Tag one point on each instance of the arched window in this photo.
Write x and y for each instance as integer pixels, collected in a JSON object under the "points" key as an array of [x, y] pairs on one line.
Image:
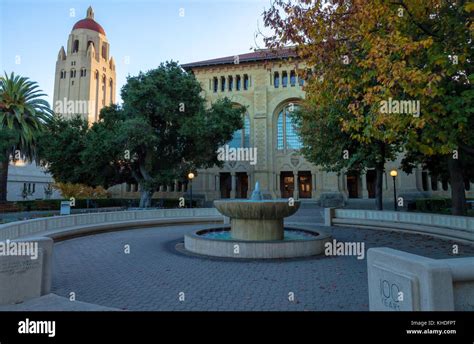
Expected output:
{"points": [[284, 79], [246, 82], [292, 78], [276, 79], [287, 132], [104, 91], [241, 137], [111, 88], [104, 51], [222, 83], [75, 46], [238, 83]]}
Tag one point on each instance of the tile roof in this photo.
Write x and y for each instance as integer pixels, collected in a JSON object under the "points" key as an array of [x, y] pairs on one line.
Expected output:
{"points": [[259, 55]]}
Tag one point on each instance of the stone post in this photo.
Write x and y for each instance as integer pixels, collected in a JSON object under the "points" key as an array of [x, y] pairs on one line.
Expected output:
{"points": [[428, 181], [296, 191], [329, 214], [365, 192], [313, 184], [233, 185], [278, 187]]}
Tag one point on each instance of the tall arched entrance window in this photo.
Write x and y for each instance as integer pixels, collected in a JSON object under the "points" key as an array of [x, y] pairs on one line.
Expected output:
{"points": [[287, 131]]}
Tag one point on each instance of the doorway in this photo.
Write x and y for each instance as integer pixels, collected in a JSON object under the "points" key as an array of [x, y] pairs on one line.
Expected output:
{"points": [[304, 184], [242, 185], [287, 184], [353, 179], [225, 184], [371, 178]]}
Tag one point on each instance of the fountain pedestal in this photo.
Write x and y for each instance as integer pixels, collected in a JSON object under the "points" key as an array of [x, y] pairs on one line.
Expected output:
{"points": [[249, 229]]}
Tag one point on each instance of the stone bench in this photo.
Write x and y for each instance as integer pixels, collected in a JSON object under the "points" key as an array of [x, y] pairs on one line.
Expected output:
{"points": [[23, 278], [401, 281]]}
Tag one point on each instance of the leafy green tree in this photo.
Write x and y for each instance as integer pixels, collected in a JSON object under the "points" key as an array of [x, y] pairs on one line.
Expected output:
{"points": [[23, 116], [445, 144], [60, 147], [163, 131], [167, 130]]}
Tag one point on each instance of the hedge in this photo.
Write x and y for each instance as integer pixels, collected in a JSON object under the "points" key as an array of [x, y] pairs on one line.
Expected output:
{"points": [[433, 205], [55, 204]]}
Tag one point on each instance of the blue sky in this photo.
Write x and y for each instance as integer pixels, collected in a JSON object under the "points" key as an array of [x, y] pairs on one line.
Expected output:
{"points": [[147, 32]]}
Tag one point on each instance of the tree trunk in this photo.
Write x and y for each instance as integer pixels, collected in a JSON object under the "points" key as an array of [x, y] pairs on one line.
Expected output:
{"points": [[378, 186], [458, 194], [4, 178], [146, 193], [145, 198]]}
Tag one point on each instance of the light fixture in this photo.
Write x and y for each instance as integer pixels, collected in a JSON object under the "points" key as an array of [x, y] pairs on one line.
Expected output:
{"points": [[191, 177], [394, 174], [19, 163]]}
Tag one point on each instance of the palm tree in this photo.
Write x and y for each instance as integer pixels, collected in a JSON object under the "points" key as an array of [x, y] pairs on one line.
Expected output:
{"points": [[23, 115]]}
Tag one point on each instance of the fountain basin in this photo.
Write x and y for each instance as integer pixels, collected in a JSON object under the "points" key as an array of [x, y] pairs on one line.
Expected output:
{"points": [[257, 220], [218, 242]]}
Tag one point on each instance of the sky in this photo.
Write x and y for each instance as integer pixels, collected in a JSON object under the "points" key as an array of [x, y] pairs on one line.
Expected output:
{"points": [[144, 33]]}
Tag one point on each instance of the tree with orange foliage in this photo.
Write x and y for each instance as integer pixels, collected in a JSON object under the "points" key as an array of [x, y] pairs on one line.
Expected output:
{"points": [[367, 54]]}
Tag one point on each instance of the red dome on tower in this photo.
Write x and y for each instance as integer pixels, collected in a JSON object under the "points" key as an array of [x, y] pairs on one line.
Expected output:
{"points": [[89, 23]]}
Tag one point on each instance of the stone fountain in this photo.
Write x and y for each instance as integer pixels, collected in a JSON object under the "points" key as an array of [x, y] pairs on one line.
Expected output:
{"points": [[257, 231], [256, 218]]}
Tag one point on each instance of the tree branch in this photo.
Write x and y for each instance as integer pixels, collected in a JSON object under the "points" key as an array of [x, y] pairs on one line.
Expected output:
{"points": [[419, 25]]}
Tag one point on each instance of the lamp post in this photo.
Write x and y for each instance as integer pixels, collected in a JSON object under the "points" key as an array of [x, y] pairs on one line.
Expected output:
{"points": [[394, 174], [191, 177]]}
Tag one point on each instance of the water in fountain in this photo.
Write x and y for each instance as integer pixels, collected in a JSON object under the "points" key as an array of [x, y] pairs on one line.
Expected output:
{"points": [[256, 194]]}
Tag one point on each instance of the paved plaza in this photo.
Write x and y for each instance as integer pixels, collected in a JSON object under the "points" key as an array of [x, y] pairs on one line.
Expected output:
{"points": [[156, 276]]}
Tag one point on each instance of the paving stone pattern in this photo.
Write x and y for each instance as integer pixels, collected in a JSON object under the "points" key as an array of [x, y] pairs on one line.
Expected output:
{"points": [[152, 276]]}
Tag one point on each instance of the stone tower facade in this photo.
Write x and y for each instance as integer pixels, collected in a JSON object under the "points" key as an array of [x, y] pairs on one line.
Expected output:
{"points": [[85, 76]]}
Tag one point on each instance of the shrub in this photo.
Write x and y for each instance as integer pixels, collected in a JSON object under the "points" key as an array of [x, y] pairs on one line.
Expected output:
{"points": [[78, 191], [433, 205]]}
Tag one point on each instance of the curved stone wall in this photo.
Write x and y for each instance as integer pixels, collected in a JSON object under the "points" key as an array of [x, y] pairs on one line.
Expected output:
{"points": [[458, 228], [58, 227]]}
